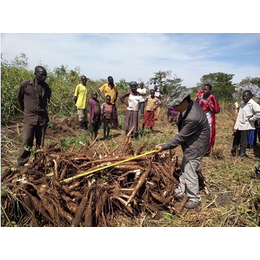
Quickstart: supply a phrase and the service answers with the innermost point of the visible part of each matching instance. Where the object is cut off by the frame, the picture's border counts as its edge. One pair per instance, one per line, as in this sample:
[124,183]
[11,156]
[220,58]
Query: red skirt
[148,118]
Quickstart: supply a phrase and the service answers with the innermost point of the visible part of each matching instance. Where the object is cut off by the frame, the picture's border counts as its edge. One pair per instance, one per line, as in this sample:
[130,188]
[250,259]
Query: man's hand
[158,148]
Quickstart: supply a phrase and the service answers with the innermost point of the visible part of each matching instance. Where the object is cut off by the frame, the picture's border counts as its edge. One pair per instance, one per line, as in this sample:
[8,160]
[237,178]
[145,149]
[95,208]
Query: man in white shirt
[142,92]
[248,113]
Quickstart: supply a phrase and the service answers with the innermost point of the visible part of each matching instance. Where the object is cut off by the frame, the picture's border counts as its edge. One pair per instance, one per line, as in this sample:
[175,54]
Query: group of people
[139,105]
[247,116]
[196,121]
[138,100]
[91,113]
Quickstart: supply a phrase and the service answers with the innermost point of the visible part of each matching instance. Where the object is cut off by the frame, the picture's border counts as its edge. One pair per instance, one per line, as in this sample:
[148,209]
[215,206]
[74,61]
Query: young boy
[152,103]
[107,115]
[94,115]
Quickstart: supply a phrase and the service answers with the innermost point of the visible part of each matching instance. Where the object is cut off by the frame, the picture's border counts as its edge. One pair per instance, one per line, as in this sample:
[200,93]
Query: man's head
[179,99]
[183,105]
[247,95]
[141,85]
[152,93]
[110,80]
[133,85]
[84,80]
[40,74]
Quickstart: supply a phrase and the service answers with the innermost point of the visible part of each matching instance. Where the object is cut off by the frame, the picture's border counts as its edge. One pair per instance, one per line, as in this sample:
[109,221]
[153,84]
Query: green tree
[12,74]
[122,85]
[256,81]
[165,81]
[61,80]
[248,83]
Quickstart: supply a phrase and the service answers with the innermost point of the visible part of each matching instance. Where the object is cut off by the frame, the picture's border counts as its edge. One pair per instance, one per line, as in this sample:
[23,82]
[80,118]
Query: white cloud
[134,56]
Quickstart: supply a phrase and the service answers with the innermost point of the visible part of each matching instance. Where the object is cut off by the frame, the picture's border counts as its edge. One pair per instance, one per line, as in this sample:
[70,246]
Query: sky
[137,56]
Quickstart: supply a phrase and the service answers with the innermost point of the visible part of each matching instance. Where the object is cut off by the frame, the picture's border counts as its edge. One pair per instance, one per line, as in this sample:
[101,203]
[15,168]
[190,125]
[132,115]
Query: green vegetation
[235,197]
[63,82]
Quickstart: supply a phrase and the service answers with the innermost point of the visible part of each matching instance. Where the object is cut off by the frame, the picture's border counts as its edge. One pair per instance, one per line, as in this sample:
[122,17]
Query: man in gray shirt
[193,136]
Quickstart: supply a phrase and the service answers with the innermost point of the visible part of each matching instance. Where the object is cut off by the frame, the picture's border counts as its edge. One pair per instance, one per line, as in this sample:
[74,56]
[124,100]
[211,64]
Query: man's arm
[75,97]
[159,103]
[256,112]
[116,97]
[101,94]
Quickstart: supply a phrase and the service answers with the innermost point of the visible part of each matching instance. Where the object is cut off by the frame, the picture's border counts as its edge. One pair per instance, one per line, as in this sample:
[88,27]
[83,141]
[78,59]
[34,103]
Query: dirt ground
[40,187]
[37,195]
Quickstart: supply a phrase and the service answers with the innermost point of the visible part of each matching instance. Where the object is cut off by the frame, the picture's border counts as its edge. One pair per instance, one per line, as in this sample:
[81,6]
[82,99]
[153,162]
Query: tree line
[63,82]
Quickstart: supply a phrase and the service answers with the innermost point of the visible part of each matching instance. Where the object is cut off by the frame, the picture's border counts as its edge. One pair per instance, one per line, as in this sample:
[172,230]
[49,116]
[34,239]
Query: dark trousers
[240,139]
[29,132]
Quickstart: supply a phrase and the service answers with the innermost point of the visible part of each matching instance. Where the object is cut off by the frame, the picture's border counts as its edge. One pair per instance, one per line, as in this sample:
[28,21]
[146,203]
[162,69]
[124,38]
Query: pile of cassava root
[54,190]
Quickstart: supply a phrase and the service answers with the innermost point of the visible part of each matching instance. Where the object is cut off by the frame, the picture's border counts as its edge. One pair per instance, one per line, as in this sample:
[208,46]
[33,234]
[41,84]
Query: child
[94,115]
[172,115]
[152,103]
[107,115]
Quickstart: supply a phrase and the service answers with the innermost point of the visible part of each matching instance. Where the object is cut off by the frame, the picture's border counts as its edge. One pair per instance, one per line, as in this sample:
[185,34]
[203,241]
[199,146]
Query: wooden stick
[82,206]
[140,183]
[183,202]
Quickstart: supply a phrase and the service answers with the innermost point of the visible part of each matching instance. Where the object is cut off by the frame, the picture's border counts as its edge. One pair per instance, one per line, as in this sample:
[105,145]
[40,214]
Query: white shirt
[142,91]
[247,115]
[133,102]
[157,94]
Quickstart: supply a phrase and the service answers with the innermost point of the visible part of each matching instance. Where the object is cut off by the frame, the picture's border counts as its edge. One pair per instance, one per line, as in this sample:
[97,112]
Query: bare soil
[139,191]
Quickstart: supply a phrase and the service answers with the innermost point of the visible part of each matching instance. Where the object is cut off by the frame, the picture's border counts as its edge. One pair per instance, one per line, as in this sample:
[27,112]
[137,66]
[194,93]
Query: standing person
[131,116]
[142,92]
[172,114]
[80,100]
[210,106]
[33,97]
[110,89]
[151,104]
[94,115]
[159,96]
[107,116]
[193,137]
[248,113]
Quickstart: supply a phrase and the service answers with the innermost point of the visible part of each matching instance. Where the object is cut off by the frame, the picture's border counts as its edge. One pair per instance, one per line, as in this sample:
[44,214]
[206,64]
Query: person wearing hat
[132,110]
[193,136]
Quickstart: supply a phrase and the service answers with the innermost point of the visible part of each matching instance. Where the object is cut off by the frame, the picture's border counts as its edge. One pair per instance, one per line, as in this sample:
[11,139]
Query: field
[232,200]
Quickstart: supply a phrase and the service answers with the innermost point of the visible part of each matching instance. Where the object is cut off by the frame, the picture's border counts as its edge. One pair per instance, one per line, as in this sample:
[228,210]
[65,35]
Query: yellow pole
[107,166]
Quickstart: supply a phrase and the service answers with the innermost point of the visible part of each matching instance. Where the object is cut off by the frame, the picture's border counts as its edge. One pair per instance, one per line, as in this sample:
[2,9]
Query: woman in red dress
[210,106]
